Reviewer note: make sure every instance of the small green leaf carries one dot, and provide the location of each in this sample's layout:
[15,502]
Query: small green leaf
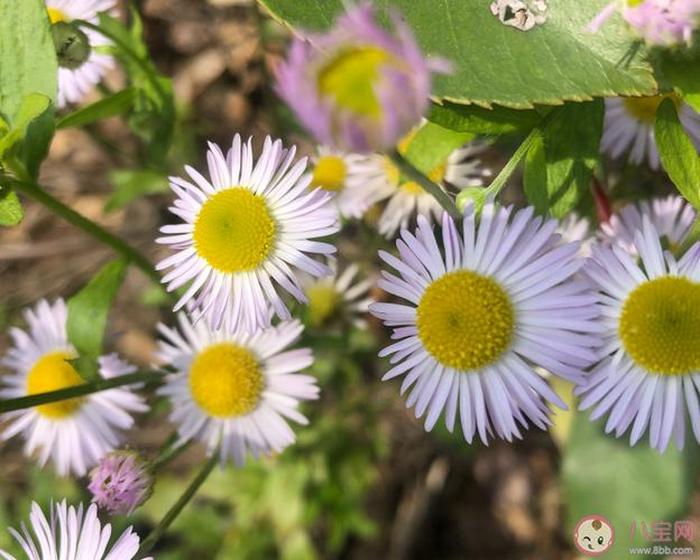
[27,57]
[571,146]
[37,141]
[131,184]
[684,74]
[31,107]
[678,155]
[432,144]
[111,106]
[605,476]
[87,316]
[535,176]
[10,208]
[495,121]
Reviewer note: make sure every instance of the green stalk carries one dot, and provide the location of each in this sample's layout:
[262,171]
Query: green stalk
[79,390]
[34,191]
[174,511]
[499,182]
[410,172]
[169,451]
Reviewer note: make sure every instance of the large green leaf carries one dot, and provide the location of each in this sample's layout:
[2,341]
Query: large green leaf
[494,63]
[87,316]
[605,476]
[683,72]
[495,121]
[27,57]
[571,140]
[677,152]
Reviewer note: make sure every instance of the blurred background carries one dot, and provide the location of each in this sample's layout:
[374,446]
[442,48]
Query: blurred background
[364,481]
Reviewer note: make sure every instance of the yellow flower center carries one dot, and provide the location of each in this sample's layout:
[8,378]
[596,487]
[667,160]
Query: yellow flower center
[329,173]
[225,380]
[51,373]
[323,301]
[465,320]
[644,109]
[349,79]
[660,325]
[235,231]
[436,176]
[56,15]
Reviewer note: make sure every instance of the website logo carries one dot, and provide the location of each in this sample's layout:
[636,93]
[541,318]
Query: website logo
[594,535]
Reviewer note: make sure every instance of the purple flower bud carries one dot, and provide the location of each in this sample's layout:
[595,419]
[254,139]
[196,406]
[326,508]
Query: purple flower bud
[120,483]
[359,87]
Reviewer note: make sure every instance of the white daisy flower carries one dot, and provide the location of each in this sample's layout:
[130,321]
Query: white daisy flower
[247,226]
[351,178]
[650,367]
[671,216]
[381,179]
[336,294]
[574,228]
[236,389]
[629,125]
[76,433]
[78,74]
[481,313]
[70,535]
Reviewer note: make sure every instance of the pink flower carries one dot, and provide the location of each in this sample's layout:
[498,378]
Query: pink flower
[120,483]
[358,87]
[659,22]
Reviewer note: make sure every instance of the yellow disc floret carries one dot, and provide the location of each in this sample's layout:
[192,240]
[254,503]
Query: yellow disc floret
[235,231]
[660,325]
[350,77]
[644,108]
[56,15]
[51,373]
[330,173]
[226,380]
[465,320]
[324,300]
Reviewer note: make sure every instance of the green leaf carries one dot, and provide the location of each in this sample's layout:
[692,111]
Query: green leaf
[87,316]
[535,176]
[31,107]
[495,121]
[678,154]
[27,57]
[605,476]
[684,74]
[111,106]
[571,146]
[494,63]
[131,184]
[432,144]
[153,115]
[37,140]
[10,208]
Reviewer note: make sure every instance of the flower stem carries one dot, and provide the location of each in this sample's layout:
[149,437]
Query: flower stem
[170,450]
[34,191]
[78,390]
[499,182]
[174,511]
[410,172]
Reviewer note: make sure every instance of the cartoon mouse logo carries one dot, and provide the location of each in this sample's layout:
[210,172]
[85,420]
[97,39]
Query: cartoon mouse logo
[594,535]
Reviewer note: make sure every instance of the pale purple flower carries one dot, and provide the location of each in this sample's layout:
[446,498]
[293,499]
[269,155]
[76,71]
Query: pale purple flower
[358,87]
[672,217]
[71,533]
[121,482]
[482,310]
[659,22]
[649,371]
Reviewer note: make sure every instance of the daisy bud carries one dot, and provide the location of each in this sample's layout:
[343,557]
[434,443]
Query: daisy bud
[121,482]
[71,43]
[358,87]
